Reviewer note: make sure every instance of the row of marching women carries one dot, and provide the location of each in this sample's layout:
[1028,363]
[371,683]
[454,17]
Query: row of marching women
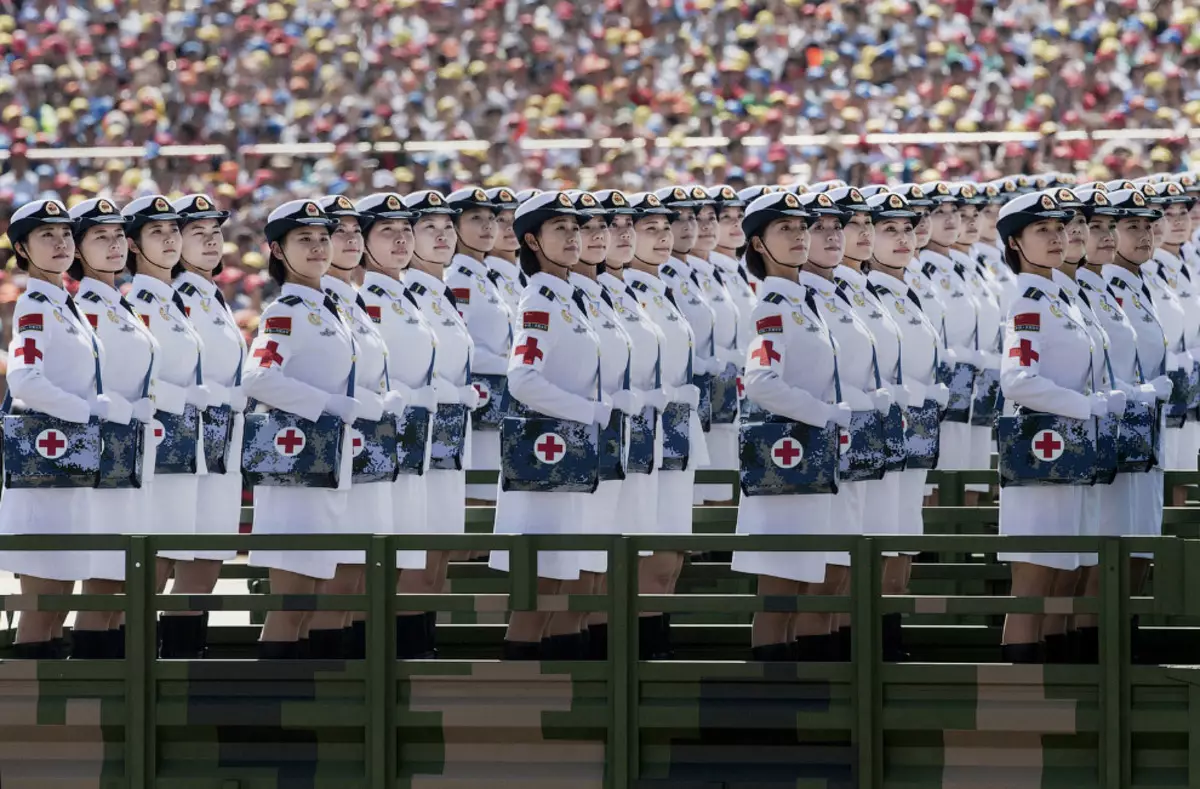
[832,344]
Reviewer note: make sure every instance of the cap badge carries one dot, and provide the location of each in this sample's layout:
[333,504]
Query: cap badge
[161,205]
[480,196]
[587,200]
[52,208]
[434,198]
[727,193]
[790,201]
[617,199]
[698,193]
[312,209]
[895,201]
[1066,195]
[343,202]
[1099,199]
[1138,199]
[824,201]
[105,207]
[1047,202]
[679,193]
[942,189]
[563,200]
[202,204]
[392,203]
[505,196]
[652,201]
[856,195]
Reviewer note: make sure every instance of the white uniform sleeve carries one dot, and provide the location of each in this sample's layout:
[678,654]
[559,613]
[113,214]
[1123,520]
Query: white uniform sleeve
[264,372]
[533,347]
[491,347]
[27,381]
[765,364]
[1020,371]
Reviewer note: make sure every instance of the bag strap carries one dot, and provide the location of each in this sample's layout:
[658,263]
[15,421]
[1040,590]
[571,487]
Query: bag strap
[1112,379]
[837,378]
[1137,368]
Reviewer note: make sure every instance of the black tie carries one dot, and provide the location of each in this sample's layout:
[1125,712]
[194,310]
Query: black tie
[178,301]
[221,299]
[125,303]
[75,310]
[332,307]
[577,297]
[358,299]
[522,279]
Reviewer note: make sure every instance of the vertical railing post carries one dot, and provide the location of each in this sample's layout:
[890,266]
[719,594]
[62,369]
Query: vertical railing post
[632,656]
[375,684]
[865,590]
[1115,771]
[618,603]
[141,643]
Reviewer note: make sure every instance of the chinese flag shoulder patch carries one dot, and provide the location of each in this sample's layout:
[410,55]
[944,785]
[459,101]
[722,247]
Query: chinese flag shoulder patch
[771,324]
[93,319]
[145,318]
[536,319]
[1027,321]
[462,295]
[30,322]
[375,313]
[281,324]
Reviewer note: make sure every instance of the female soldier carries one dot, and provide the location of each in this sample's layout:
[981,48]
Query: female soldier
[130,354]
[487,317]
[51,370]
[894,247]
[855,345]
[300,362]
[730,240]
[654,241]
[503,268]
[1047,367]
[219,497]
[987,250]
[434,240]
[388,249]
[555,371]
[790,371]
[155,245]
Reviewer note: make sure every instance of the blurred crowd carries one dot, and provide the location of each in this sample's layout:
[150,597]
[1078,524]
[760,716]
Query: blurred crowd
[239,73]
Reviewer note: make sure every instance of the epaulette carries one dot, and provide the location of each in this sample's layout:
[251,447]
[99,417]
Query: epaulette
[546,292]
[929,269]
[1118,283]
[418,289]
[144,295]
[773,298]
[376,290]
[637,284]
[188,289]
[466,271]
[291,300]
[668,270]
[1033,293]
[35,296]
[90,296]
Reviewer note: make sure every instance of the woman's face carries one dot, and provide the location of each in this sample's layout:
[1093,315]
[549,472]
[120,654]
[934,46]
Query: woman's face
[1077,234]
[706,229]
[987,220]
[895,242]
[1135,239]
[50,248]
[785,241]
[1101,241]
[161,243]
[104,248]
[1194,213]
[729,228]
[434,238]
[307,250]
[1043,243]
[684,229]
[1157,231]
[477,229]
[559,240]
[860,236]
[944,225]
[1176,224]
[202,242]
[654,240]
[968,218]
[827,246]
[621,236]
[390,245]
[595,236]
[506,239]
[924,226]
[347,242]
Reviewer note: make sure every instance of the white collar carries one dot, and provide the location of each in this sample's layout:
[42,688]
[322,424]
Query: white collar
[589,286]
[382,281]
[509,271]
[825,287]
[207,289]
[470,264]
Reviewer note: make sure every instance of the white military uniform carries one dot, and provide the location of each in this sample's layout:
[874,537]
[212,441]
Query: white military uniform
[446,489]
[302,356]
[411,346]
[637,505]
[722,439]
[1128,298]
[219,498]
[509,282]
[178,373]
[51,370]
[991,319]
[553,371]
[488,319]
[920,343]
[130,349]
[789,372]
[1000,276]
[369,509]
[675,495]
[1046,367]
[737,282]
[1171,274]
[1173,317]
[615,352]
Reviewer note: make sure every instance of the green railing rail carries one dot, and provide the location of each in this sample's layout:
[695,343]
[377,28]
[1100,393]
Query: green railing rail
[1177,591]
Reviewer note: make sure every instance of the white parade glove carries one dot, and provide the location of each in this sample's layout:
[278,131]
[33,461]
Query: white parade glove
[199,395]
[688,394]
[111,408]
[343,407]
[425,397]
[237,399]
[601,412]
[1116,402]
[370,405]
[655,398]
[900,394]
[394,402]
[730,356]
[143,410]
[881,400]
[1143,393]
[839,414]
[217,394]
[940,394]
[469,396]
[949,356]
[1162,387]
[1098,403]
[627,401]
[444,391]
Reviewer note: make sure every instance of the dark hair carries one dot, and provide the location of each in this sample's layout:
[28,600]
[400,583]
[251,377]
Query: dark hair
[599,269]
[21,261]
[754,262]
[1012,257]
[530,264]
[75,270]
[276,269]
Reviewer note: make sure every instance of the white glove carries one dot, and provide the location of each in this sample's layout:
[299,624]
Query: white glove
[627,401]
[689,394]
[345,408]
[425,397]
[730,356]
[200,396]
[394,402]
[1098,403]
[237,399]
[1144,393]
[111,408]
[601,412]
[444,391]
[370,405]
[940,394]
[881,400]
[1179,361]
[1116,402]
[839,414]
[1162,386]
[143,410]
[715,366]
[900,394]
[655,398]
[469,396]
[949,356]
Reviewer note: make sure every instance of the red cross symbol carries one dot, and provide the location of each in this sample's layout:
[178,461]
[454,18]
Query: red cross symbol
[741,387]
[766,353]
[904,420]
[844,442]
[356,442]
[529,352]
[786,453]
[289,441]
[158,431]
[50,444]
[1049,445]
[29,351]
[484,392]
[267,355]
[1024,353]
[549,447]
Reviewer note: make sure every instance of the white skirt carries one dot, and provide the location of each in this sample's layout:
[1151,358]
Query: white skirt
[279,510]
[41,511]
[485,456]
[881,511]
[409,516]
[368,511]
[722,442]
[912,499]
[674,511]
[524,512]
[847,516]
[980,457]
[1175,447]
[219,498]
[1044,511]
[445,502]
[600,517]
[1148,507]
[784,515]
[173,499]
[123,511]
[954,446]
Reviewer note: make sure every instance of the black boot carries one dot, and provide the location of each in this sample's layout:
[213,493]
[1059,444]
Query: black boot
[201,638]
[33,650]
[893,638]
[522,650]
[430,635]
[182,638]
[1057,648]
[115,643]
[278,650]
[561,647]
[59,648]
[327,644]
[1022,653]
[772,653]
[357,640]
[598,642]
[649,633]
[813,649]
[412,637]
[303,649]
[169,637]
[88,644]
[843,641]
[665,650]
[1088,639]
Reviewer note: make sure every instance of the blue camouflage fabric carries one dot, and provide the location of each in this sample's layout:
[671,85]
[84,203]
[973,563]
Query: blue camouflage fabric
[1046,449]
[122,454]
[178,444]
[985,405]
[412,440]
[704,409]
[677,442]
[779,457]
[1177,406]
[42,451]
[643,432]
[725,396]
[1108,430]
[374,446]
[287,450]
[612,448]
[496,402]
[922,435]
[548,455]
[864,450]
[449,437]
[1137,442]
[217,426]
[959,378]
[896,455]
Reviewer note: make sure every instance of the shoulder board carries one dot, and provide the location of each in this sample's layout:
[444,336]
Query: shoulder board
[35,296]
[928,269]
[89,296]
[637,284]
[668,270]
[144,295]
[840,282]
[773,298]
[188,289]
[1033,293]
[417,288]
[1117,283]
[376,290]
[291,300]
[545,292]
[465,271]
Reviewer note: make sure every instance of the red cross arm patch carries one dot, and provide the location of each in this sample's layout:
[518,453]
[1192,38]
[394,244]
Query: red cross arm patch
[28,352]
[268,354]
[1024,353]
[764,353]
[528,351]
